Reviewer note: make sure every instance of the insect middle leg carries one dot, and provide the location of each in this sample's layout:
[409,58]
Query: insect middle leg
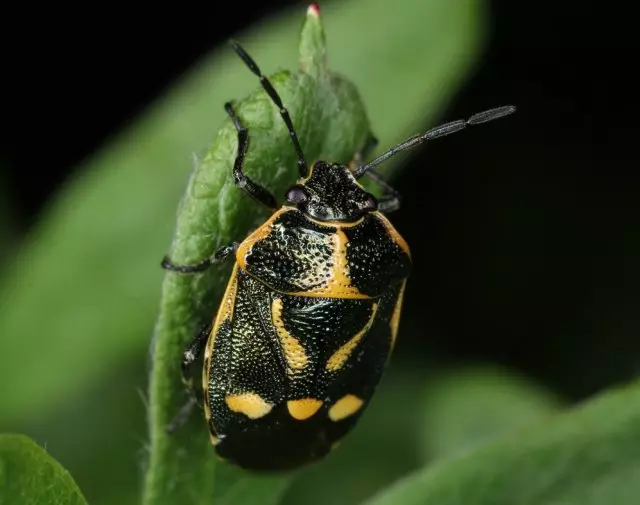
[390,201]
[221,254]
[191,354]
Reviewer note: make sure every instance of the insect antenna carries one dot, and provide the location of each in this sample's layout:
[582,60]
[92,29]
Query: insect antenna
[438,131]
[302,164]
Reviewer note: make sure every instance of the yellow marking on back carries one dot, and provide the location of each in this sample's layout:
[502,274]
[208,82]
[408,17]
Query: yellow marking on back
[395,317]
[335,224]
[258,235]
[250,404]
[225,311]
[393,233]
[338,359]
[304,408]
[338,285]
[293,351]
[345,407]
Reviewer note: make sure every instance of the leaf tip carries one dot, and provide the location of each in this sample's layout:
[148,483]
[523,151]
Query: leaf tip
[313,10]
[313,49]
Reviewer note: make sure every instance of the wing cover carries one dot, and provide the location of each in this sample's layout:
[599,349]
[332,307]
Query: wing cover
[249,356]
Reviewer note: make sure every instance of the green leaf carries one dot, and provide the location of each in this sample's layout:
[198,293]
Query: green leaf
[471,406]
[29,476]
[586,456]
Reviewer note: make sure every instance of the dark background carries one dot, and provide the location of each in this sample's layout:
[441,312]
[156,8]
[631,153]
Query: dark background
[527,238]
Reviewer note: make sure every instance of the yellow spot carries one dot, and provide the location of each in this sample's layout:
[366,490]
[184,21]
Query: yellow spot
[249,404]
[338,285]
[304,408]
[395,317]
[214,440]
[345,407]
[338,358]
[293,350]
[393,233]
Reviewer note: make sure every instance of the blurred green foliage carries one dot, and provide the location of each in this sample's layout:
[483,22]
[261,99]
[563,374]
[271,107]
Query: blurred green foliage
[587,456]
[7,229]
[28,475]
[79,302]
[494,402]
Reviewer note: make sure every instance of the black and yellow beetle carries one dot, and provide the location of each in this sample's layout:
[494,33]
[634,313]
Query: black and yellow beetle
[311,312]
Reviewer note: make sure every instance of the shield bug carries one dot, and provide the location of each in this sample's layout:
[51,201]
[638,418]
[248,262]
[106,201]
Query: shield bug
[311,312]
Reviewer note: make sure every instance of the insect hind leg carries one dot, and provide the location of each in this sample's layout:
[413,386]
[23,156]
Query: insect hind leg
[191,354]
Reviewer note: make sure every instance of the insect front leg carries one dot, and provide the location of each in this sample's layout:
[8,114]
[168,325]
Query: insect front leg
[254,189]
[191,354]
[221,254]
[388,202]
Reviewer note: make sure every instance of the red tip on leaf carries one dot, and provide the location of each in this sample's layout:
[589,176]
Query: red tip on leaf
[314,10]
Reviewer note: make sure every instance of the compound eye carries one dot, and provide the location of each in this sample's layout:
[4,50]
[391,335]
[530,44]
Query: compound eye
[297,194]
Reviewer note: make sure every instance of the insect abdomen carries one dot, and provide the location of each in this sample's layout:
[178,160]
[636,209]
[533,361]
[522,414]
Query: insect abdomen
[290,375]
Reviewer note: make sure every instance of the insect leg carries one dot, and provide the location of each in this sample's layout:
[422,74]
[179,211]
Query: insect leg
[183,415]
[390,201]
[254,189]
[363,154]
[273,94]
[190,355]
[221,254]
